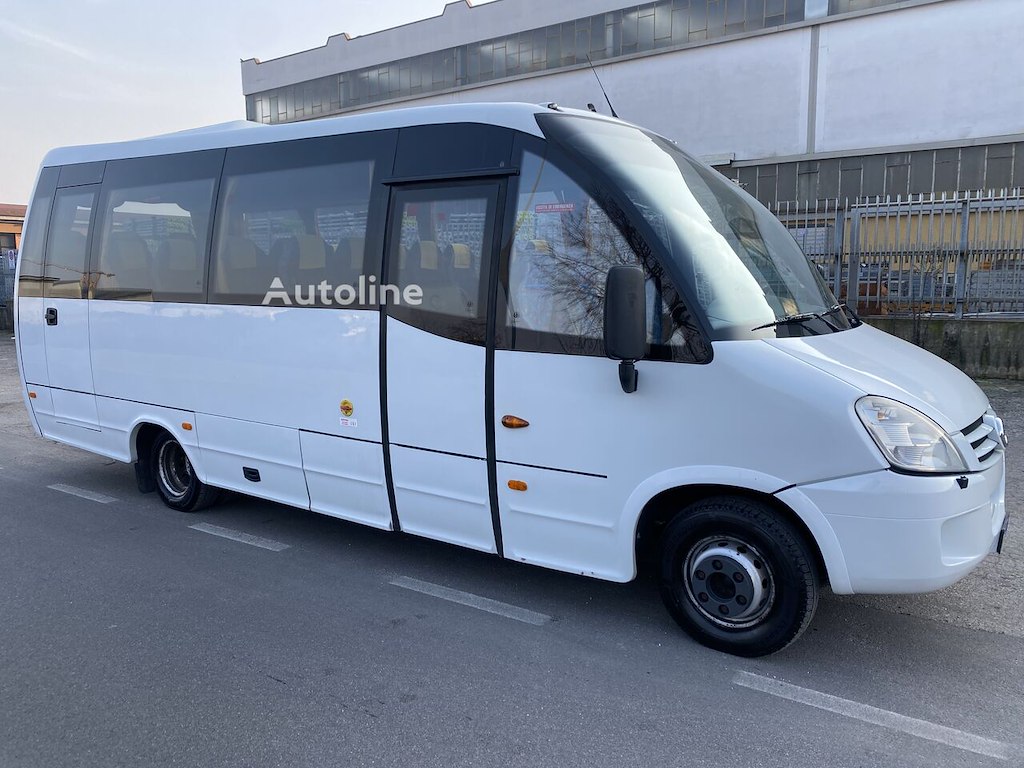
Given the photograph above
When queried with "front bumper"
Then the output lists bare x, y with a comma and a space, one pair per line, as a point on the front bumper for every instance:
910, 533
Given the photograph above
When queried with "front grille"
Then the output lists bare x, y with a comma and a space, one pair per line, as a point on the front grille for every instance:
983, 439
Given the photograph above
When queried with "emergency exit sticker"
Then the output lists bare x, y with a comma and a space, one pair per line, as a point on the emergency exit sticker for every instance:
555, 207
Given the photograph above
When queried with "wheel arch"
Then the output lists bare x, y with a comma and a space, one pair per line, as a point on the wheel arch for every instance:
147, 428
664, 496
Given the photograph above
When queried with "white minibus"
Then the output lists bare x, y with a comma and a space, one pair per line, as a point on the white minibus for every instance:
532, 331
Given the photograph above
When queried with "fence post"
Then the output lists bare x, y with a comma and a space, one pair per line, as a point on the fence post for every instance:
853, 273
6, 293
960, 282
838, 238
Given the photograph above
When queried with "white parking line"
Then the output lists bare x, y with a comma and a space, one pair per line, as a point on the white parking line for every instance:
868, 714
244, 538
82, 493
473, 601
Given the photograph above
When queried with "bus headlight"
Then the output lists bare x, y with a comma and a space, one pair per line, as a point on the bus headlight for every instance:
907, 438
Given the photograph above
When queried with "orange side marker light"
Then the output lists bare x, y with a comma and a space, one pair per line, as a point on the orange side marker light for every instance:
517, 485
186, 426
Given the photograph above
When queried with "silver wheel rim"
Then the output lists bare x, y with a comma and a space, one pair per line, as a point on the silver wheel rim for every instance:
728, 581
175, 470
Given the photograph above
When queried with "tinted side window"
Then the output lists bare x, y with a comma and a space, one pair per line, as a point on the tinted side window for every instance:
34, 238
64, 272
155, 231
80, 174
563, 245
440, 248
441, 150
294, 221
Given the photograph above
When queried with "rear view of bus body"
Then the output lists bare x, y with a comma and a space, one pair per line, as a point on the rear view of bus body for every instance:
398, 319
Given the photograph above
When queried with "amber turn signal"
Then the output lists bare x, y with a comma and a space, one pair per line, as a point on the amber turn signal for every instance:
186, 426
517, 485
514, 422
32, 395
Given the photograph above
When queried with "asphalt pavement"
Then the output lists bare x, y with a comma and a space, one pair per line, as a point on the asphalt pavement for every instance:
254, 634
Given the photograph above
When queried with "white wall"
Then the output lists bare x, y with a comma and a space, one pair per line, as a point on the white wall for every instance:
942, 72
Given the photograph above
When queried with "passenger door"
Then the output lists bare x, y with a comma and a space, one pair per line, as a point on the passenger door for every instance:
440, 243
66, 317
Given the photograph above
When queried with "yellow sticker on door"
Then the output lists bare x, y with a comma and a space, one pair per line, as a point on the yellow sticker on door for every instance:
347, 409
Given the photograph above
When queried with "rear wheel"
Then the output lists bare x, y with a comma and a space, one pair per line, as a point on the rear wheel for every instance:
175, 478
737, 577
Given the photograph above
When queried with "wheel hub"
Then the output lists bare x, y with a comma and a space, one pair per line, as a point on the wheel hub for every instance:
175, 469
728, 581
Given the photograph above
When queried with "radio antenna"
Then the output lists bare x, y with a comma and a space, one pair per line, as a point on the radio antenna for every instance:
601, 85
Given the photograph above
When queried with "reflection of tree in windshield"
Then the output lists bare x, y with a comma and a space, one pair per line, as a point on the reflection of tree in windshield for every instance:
572, 252
565, 243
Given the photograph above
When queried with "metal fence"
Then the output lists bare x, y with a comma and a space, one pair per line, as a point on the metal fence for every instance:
8, 261
960, 254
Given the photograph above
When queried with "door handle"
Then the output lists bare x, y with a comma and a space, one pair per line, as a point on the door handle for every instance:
51, 315
514, 422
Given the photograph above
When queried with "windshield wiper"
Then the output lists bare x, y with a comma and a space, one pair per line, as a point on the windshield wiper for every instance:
852, 316
801, 318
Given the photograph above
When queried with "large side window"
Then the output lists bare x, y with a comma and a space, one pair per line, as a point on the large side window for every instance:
564, 243
30, 282
64, 272
439, 255
156, 215
293, 223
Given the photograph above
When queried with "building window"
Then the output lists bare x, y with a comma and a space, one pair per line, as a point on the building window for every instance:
631, 30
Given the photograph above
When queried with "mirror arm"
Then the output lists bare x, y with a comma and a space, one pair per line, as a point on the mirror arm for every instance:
628, 376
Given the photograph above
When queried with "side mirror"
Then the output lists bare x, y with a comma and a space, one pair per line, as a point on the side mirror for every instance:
625, 321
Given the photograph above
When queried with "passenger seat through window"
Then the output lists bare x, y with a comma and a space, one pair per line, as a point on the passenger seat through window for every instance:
178, 267
302, 261
243, 270
124, 266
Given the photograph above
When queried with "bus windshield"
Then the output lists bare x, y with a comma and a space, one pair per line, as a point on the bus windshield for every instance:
741, 264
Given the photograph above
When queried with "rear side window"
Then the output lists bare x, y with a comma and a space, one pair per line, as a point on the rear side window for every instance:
64, 274
292, 224
156, 215
30, 283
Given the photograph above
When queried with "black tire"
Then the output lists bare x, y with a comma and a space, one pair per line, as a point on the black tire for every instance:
176, 481
737, 576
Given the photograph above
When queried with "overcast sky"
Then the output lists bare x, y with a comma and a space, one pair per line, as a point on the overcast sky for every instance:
86, 71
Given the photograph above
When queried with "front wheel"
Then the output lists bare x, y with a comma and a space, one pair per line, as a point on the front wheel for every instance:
175, 478
737, 577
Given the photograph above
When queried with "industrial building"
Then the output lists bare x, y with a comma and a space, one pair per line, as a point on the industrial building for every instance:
798, 100
12, 218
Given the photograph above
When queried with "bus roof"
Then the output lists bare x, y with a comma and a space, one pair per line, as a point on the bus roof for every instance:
517, 116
